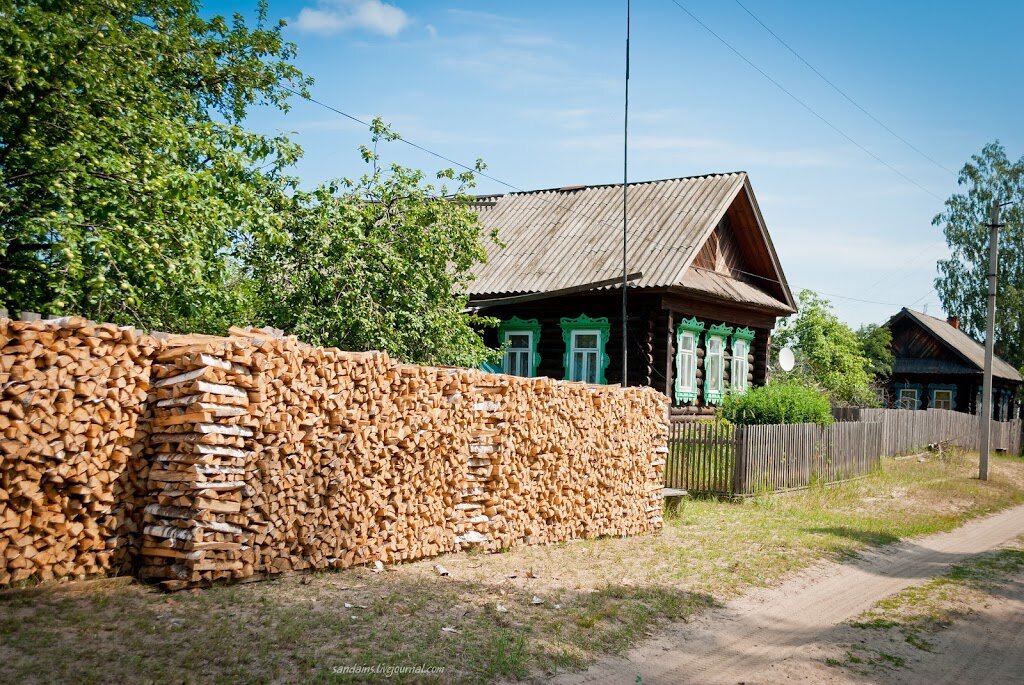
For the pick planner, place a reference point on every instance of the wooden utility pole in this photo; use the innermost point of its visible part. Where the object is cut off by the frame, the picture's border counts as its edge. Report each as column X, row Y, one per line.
column 990, row 335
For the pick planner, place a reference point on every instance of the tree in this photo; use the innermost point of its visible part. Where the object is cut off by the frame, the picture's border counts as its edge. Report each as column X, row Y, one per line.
column 126, row 177
column 962, row 282
column 876, row 346
column 377, row 263
column 828, row 352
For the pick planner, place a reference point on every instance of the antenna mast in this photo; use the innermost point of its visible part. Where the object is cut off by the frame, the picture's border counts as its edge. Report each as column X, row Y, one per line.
column 625, row 218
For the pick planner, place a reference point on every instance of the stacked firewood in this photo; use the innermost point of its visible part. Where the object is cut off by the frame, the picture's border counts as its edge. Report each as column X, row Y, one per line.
column 270, row 456
column 562, row 461
column 194, row 525
column 71, row 396
column 261, row 455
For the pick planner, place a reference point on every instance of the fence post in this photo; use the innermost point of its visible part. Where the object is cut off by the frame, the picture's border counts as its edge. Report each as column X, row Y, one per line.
column 739, row 468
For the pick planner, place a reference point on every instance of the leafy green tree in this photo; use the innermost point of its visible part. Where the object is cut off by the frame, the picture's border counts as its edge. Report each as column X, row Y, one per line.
column 376, row 263
column 876, row 345
column 126, row 177
column 828, row 352
column 962, row 282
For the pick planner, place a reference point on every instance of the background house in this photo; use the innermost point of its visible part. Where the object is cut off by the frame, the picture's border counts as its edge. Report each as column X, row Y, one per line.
column 706, row 291
column 936, row 365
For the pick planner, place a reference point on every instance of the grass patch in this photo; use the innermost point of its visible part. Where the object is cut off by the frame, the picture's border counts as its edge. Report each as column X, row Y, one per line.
column 597, row 596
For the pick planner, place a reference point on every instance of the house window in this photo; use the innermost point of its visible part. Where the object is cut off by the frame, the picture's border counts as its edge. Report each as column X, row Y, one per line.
column 585, row 351
column 585, row 339
column 907, row 398
column 519, row 346
column 520, row 337
column 740, row 364
column 687, row 340
column 942, row 396
column 714, row 364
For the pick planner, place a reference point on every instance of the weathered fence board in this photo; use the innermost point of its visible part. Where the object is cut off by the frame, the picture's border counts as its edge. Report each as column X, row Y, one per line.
column 907, row 430
column 743, row 460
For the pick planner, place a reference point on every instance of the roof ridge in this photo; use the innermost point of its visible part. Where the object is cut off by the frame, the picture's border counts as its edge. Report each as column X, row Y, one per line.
column 576, row 188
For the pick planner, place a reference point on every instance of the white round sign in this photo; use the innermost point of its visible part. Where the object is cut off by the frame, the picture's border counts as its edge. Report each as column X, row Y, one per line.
column 786, row 359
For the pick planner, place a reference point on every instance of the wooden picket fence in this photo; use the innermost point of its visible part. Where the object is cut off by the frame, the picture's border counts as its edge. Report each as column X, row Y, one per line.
column 910, row 430
column 709, row 457
column 701, row 456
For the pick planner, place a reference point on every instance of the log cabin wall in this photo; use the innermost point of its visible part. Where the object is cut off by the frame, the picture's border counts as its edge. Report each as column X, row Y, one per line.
column 266, row 456
column 653, row 319
column 647, row 322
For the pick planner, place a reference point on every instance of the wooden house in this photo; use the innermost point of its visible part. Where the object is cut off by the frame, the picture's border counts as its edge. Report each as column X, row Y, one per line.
column 937, row 365
column 706, row 285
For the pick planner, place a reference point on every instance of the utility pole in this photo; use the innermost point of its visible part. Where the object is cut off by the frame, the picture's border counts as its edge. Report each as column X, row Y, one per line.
column 625, row 219
column 990, row 335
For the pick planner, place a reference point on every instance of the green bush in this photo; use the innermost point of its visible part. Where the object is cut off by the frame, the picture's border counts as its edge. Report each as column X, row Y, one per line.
column 783, row 402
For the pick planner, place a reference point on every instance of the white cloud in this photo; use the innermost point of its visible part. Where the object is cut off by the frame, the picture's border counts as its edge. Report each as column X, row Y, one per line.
column 333, row 16
column 431, row 31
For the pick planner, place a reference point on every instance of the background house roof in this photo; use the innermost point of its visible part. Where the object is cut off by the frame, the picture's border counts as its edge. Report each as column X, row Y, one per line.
column 962, row 344
column 566, row 237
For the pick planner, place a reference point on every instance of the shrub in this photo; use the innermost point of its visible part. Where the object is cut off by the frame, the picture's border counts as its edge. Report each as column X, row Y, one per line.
column 782, row 402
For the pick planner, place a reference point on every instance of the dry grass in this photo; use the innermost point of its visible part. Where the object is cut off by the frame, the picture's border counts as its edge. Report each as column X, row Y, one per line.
column 598, row 596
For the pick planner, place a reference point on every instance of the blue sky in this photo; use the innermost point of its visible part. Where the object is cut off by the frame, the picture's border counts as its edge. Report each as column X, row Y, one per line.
column 535, row 89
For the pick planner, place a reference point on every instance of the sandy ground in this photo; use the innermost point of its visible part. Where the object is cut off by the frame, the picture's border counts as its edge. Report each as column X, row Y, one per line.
column 784, row 634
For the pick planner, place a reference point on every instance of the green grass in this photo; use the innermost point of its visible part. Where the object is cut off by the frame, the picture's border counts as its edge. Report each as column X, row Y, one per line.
column 599, row 596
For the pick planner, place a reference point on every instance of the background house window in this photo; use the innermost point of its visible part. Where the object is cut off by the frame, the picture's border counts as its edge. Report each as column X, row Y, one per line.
column 520, row 337
column 687, row 340
column 942, row 396
column 585, row 339
column 907, row 398
column 740, row 365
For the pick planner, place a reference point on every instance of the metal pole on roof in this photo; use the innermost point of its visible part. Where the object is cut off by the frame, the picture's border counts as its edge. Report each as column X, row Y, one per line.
column 990, row 335
column 625, row 219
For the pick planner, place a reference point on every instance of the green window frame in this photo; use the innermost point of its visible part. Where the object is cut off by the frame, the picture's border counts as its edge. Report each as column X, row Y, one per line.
column 740, row 344
column 687, row 342
column 585, row 339
column 520, row 357
column 714, row 363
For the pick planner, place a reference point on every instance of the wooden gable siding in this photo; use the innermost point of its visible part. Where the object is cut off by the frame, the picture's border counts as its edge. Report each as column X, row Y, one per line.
column 910, row 341
column 758, row 265
column 723, row 253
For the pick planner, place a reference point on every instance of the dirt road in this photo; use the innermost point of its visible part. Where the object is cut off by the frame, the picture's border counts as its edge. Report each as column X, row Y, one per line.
column 779, row 635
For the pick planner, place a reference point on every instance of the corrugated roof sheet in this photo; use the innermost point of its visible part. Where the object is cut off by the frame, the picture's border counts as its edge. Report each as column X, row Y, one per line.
column 964, row 344
column 727, row 288
column 561, row 238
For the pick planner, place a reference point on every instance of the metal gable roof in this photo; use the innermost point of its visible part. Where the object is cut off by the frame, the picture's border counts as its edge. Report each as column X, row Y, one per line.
column 565, row 237
column 961, row 343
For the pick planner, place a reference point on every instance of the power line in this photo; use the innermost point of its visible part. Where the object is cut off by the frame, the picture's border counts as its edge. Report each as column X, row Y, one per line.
column 567, row 208
column 803, row 104
column 844, row 94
